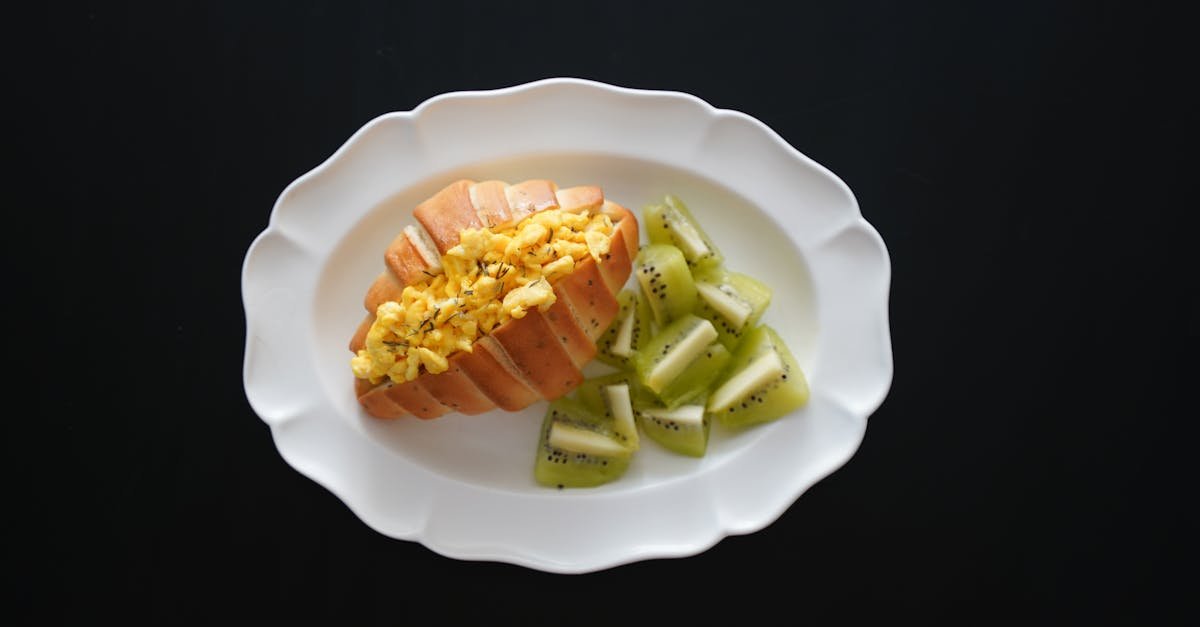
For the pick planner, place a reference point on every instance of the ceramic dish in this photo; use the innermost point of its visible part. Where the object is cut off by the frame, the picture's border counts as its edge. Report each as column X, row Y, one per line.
column 463, row 485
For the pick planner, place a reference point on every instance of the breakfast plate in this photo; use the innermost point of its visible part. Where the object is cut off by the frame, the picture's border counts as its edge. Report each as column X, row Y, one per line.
column 463, row 486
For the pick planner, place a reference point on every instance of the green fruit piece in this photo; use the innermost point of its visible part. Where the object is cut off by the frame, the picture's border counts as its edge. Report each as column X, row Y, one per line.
column 628, row 332
column 761, row 383
column 666, row 282
column 672, row 223
column 590, row 393
column 618, row 405
column 683, row 429
column 577, row 448
column 695, row 380
column 672, row 350
column 734, row 302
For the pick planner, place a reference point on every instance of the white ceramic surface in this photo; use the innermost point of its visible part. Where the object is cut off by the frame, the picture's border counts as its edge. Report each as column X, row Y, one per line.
column 463, row 485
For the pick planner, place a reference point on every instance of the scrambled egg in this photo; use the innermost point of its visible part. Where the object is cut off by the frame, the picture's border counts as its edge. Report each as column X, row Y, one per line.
column 490, row 277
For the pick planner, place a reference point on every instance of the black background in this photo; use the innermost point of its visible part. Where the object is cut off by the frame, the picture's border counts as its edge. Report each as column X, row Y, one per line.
column 1024, row 163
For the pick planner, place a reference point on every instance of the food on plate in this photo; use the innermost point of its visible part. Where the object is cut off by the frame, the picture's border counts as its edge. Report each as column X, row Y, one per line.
column 629, row 332
column 697, row 378
column 671, row 222
column 672, row 350
column 733, row 302
column 494, row 299
column 666, row 282
column 578, row 447
column 689, row 348
column 762, row 382
column 683, row 429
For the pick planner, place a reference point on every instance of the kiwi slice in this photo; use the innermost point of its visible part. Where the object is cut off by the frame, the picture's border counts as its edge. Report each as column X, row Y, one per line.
column 628, row 332
column 693, row 383
column 669, row 353
column 761, row 383
column 671, row 222
column 590, row 393
column 666, row 282
column 618, row 404
column 733, row 302
column 578, row 448
column 683, row 429
column 597, row 396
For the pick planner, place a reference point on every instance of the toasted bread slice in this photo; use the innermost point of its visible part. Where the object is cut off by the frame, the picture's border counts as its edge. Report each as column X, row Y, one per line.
column 416, row 400
column 578, row 199
column 375, row 399
column 491, row 203
column 412, row 256
column 529, row 197
column 454, row 389
column 538, row 354
column 617, row 263
column 385, row 288
column 569, row 331
column 447, row 214
column 593, row 302
column 359, row 341
column 494, row 374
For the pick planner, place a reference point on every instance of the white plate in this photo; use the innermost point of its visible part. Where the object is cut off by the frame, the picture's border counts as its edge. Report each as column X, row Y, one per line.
column 463, row 485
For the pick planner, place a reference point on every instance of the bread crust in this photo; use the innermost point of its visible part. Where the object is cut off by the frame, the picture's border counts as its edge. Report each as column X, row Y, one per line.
column 490, row 369
column 359, row 341
column 405, row 259
column 593, row 302
column 385, row 288
column 455, row 389
column 570, row 333
column 375, row 399
column 416, row 400
column 538, row 355
column 529, row 197
column 617, row 263
column 491, row 203
column 447, row 213
column 581, row 198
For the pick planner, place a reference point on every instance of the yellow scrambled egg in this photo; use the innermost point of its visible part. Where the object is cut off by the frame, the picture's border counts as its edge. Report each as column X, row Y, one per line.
column 490, row 277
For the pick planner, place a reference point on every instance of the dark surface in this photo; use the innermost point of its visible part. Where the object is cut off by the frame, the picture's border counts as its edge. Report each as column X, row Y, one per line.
column 1024, row 165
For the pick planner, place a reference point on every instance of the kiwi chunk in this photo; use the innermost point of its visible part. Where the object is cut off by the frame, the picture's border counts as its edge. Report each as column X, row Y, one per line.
column 666, row 282
column 619, row 404
column 578, row 448
column 762, row 382
column 629, row 331
column 576, row 439
column 683, row 429
column 694, row 382
column 591, row 393
column 733, row 301
column 671, row 222
column 672, row 350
